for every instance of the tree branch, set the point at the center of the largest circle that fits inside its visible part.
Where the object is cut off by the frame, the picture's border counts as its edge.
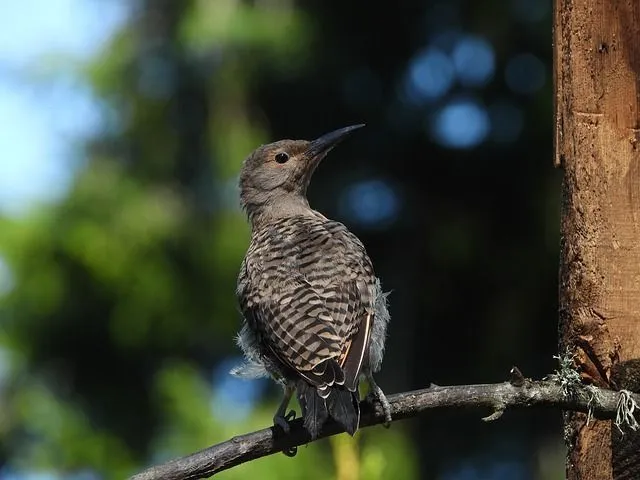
(498, 397)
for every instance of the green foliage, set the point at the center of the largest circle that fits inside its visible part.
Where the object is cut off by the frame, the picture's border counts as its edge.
(65, 440)
(281, 34)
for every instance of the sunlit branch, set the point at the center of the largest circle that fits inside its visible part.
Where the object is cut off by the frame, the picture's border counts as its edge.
(497, 398)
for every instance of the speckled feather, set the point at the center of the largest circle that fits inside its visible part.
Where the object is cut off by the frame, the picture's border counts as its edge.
(306, 286)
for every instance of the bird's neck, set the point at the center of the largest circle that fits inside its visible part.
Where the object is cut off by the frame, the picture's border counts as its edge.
(277, 208)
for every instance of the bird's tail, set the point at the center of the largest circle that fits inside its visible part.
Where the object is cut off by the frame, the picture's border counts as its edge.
(341, 404)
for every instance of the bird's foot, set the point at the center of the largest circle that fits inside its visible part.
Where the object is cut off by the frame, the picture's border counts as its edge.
(291, 451)
(282, 421)
(376, 393)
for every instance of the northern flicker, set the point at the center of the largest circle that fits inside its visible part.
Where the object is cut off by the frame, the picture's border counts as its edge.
(315, 317)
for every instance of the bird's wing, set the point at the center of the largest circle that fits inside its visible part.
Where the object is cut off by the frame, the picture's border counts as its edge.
(352, 305)
(300, 333)
(311, 302)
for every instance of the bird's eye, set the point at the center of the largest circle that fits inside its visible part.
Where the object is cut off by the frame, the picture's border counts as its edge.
(282, 157)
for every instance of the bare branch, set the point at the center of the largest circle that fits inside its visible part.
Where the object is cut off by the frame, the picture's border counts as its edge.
(498, 397)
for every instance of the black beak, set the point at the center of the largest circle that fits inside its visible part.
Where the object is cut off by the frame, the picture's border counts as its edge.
(321, 146)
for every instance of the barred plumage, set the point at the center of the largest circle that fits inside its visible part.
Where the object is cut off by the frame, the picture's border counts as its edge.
(307, 291)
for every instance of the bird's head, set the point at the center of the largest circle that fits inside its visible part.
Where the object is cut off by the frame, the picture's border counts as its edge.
(277, 175)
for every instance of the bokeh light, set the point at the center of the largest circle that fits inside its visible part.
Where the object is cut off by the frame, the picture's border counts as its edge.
(431, 75)
(461, 123)
(474, 61)
(233, 397)
(372, 203)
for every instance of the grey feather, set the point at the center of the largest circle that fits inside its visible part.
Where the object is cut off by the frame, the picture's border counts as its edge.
(249, 371)
(379, 330)
(254, 365)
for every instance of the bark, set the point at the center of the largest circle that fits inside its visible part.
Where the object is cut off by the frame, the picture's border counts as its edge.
(561, 393)
(597, 96)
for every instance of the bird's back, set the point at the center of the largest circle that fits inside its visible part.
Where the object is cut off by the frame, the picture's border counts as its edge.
(307, 291)
(306, 284)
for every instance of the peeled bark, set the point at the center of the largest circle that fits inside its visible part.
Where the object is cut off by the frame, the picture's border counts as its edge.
(597, 95)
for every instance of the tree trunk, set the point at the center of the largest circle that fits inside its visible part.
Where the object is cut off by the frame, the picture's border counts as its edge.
(597, 96)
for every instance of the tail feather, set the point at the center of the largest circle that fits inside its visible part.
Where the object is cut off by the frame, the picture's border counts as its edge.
(344, 408)
(340, 404)
(314, 408)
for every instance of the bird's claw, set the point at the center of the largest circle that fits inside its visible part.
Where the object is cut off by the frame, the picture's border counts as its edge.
(377, 395)
(282, 421)
(291, 451)
(387, 416)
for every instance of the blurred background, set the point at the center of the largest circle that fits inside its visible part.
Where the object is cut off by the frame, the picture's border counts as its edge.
(124, 125)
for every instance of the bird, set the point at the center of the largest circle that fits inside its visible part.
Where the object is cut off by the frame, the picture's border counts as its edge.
(314, 313)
